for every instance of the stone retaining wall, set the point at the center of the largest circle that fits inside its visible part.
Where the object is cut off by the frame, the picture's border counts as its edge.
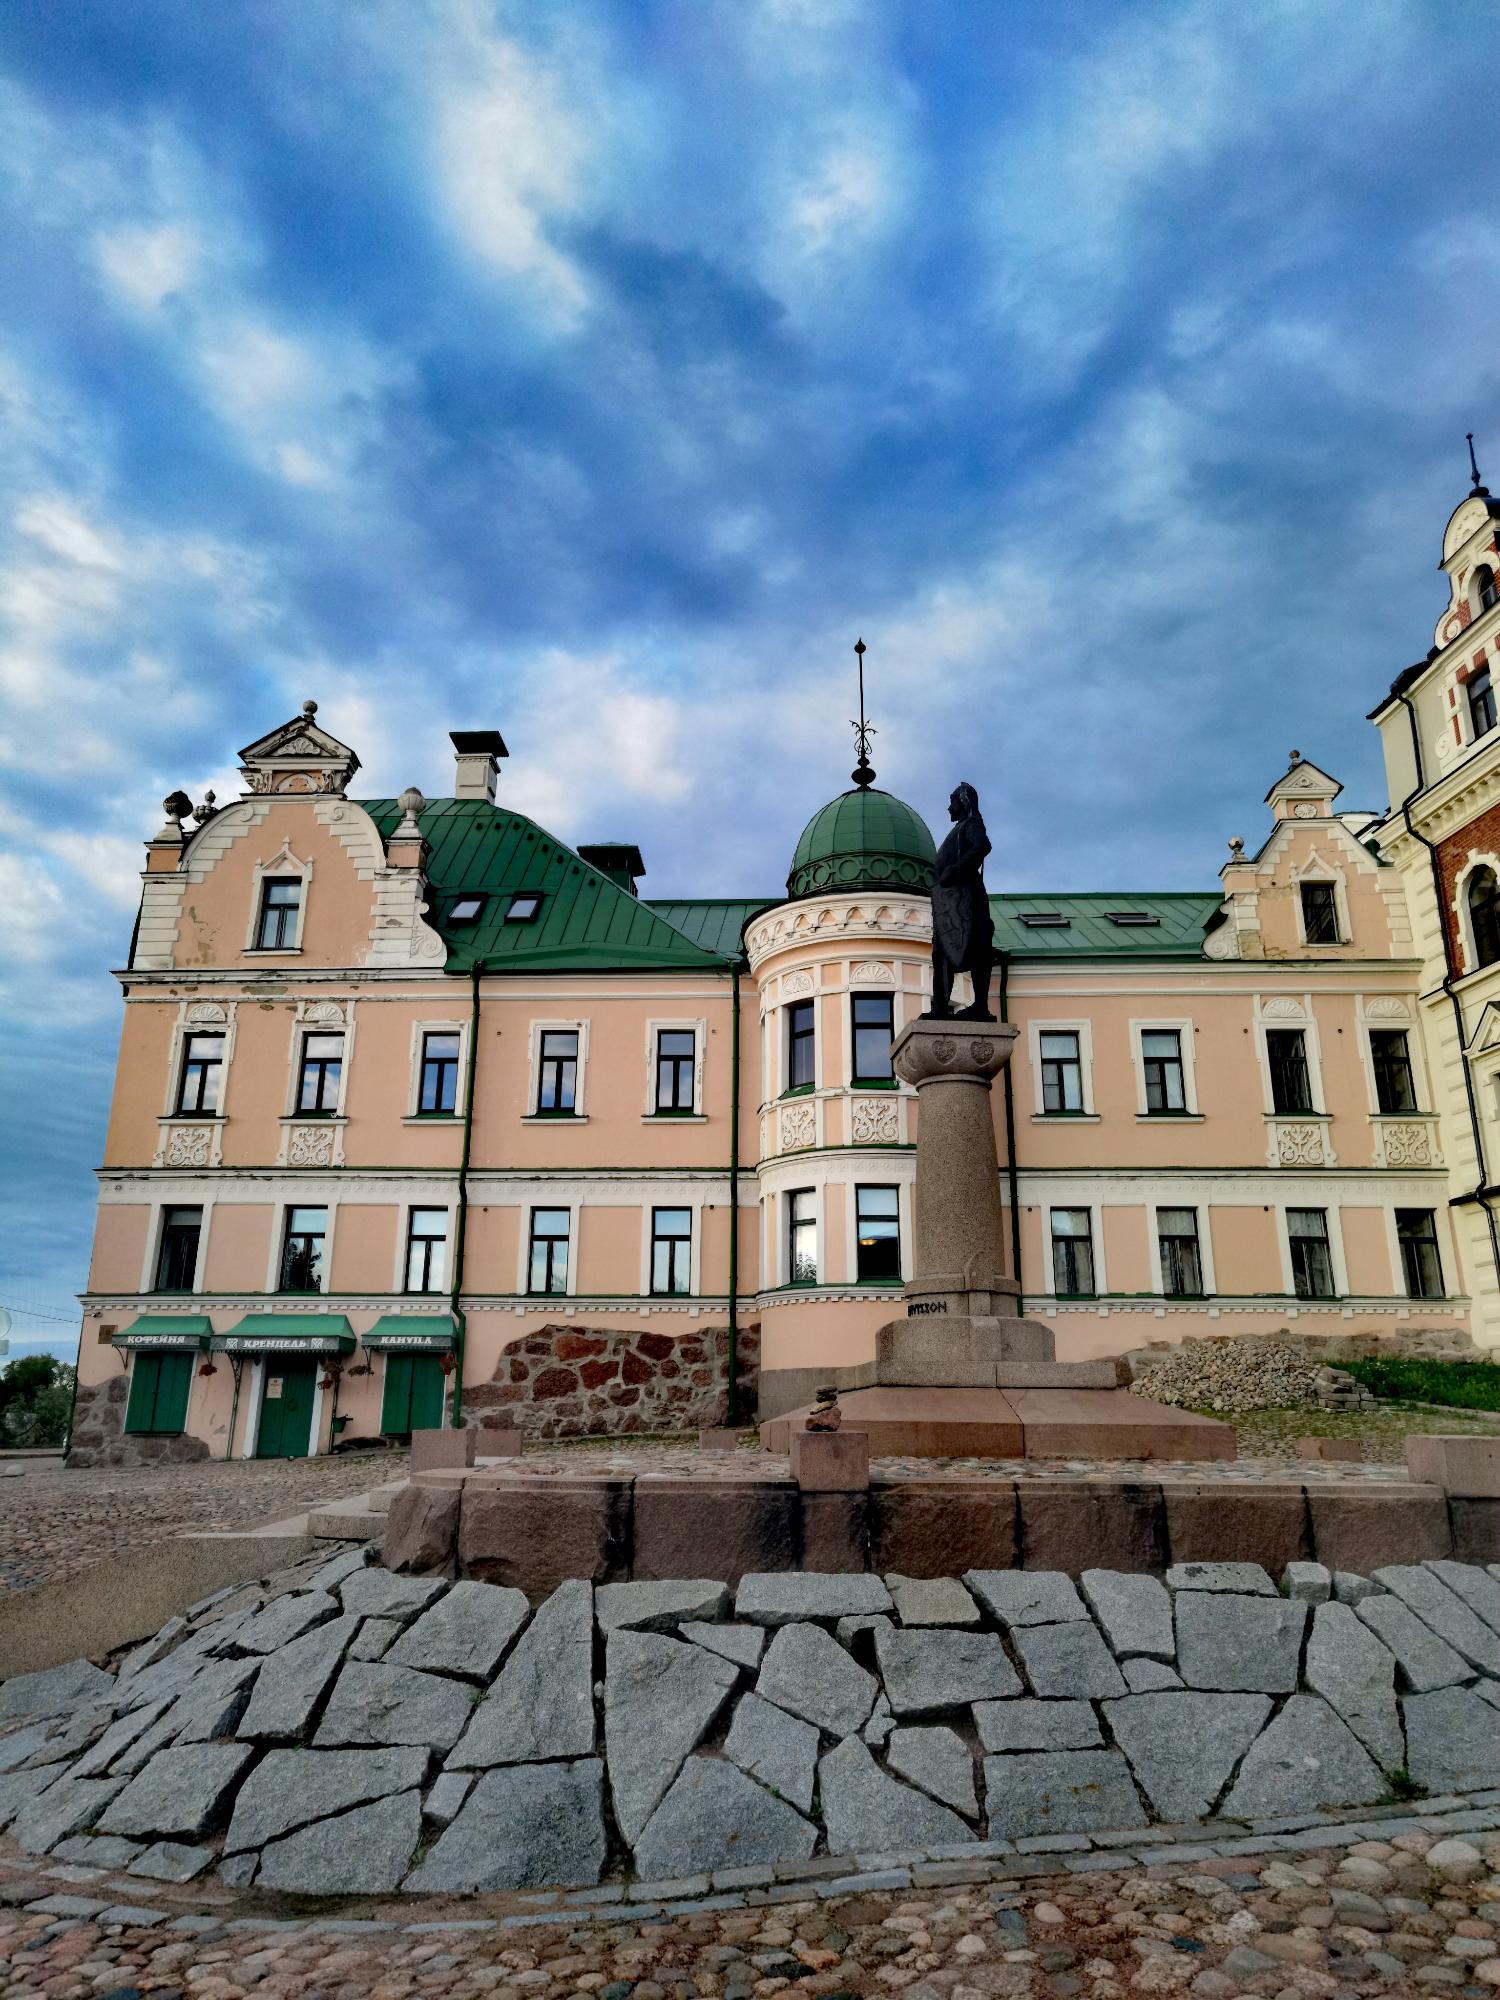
(100, 1438)
(579, 1381)
(531, 1531)
(348, 1731)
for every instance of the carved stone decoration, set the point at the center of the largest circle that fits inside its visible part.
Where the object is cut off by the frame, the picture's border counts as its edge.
(1407, 1145)
(799, 1127)
(795, 983)
(1304, 809)
(189, 1146)
(874, 1121)
(1283, 1009)
(207, 1011)
(1387, 1008)
(1299, 1145)
(871, 972)
(325, 1014)
(310, 1146)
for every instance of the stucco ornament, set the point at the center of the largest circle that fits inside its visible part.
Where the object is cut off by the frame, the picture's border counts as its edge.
(799, 1127)
(1407, 1145)
(1299, 1145)
(311, 1146)
(874, 1122)
(871, 972)
(189, 1146)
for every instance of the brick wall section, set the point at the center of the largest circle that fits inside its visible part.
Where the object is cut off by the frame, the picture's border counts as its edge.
(1482, 836)
(99, 1432)
(575, 1381)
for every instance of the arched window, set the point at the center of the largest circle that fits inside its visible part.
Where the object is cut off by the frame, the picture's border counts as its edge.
(1485, 592)
(1484, 916)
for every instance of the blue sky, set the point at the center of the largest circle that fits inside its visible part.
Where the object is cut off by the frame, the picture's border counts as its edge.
(599, 372)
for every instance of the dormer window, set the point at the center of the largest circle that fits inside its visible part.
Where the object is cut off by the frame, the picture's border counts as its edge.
(1320, 913)
(1481, 699)
(280, 908)
(523, 907)
(466, 909)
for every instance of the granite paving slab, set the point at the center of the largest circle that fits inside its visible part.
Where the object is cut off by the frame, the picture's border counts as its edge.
(542, 1705)
(793, 1597)
(659, 1607)
(373, 1703)
(1479, 1590)
(466, 1633)
(659, 1697)
(52, 1691)
(119, 1737)
(1149, 1676)
(360, 1853)
(865, 1809)
(930, 1600)
(1307, 1582)
(1424, 1660)
(807, 1672)
(19, 1788)
(379, 1593)
(1060, 1791)
(713, 1816)
(374, 1638)
(283, 1620)
(289, 1788)
(939, 1761)
(524, 1826)
(1183, 1748)
(64, 1807)
(1026, 1597)
(442, 1803)
(1239, 1579)
(778, 1749)
(1443, 1612)
(1304, 1760)
(1064, 1662)
(929, 1669)
(291, 1685)
(1037, 1725)
(29, 1741)
(1134, 1612)
(1356, 1675)
(183, 1793)
(1237, 1644)
(1452, 1739)
(743, 1644)
(173, 1861)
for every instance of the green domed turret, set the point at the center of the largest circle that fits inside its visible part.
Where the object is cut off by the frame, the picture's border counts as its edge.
(864, 839)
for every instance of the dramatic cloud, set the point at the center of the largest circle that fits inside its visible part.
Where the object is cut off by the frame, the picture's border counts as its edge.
(601, 372)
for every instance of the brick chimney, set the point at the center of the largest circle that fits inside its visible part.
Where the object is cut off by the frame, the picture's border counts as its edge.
(476, 759)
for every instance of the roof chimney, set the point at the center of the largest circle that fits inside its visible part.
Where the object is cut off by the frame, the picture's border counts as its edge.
(620, 860)
(477, 754)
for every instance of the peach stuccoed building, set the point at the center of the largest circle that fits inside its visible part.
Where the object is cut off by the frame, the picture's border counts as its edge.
(422, 1115)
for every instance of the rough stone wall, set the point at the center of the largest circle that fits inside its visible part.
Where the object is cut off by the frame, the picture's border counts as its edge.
(574, 1381)
(99, 1436)
(1421, 1343)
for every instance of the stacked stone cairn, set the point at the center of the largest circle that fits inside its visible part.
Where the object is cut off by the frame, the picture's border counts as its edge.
(344, 1730)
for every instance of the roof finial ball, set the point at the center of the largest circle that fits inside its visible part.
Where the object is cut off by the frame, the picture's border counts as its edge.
(309, 709)
(1294, 757)
(862, 774)
(412, 804)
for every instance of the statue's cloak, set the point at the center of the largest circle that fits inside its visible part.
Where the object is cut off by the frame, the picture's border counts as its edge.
(961, 920)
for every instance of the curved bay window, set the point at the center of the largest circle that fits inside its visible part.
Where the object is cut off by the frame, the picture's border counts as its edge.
(1484, 916)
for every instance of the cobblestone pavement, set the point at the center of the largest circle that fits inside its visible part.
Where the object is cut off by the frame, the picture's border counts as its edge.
(1328, 1916)
(54, 1523)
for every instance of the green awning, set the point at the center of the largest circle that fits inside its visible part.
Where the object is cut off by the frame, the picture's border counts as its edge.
(429, 1333)
(166, 1330)
(289, 1333)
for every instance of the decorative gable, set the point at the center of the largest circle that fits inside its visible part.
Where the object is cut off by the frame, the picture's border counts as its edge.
(1304, 792)
(299, 759)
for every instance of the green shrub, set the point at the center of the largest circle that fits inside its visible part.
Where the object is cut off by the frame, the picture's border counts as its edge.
(1461, 1385)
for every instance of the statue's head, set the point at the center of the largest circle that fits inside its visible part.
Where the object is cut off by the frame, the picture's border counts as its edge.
(964, 802)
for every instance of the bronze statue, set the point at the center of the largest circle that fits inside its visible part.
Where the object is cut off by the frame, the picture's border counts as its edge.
(963, 931)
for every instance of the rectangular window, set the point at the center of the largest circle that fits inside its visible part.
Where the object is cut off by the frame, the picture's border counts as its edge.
(322, 1069)
(302, 1250)
(671, 1249)
(280, 906)
(1181, 1263)
(1291, 1086)
(1072, 1253)
(1320, 913)
(427, 1250)
(676, 1056)
(1421, 1266)
(1312, 1263)
(799, 1045)
(202, 1074)
(1062, 1071)
(159, 1388)
(874, 1025)
(802, 1237)
(547, 1267)
(177, 1259)
(1390, 1058)
(557, 1072)
(1481, 702)
(438, 1087)
(1161, 1060)
(877, 1234)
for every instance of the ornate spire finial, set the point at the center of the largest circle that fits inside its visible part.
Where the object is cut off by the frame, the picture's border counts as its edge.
(1294, 757)
(1473, 462)
(862, 774)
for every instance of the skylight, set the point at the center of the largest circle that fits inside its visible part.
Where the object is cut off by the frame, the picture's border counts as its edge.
(466, 909)
(1133, 918)
(1039, 920)
(523, 907)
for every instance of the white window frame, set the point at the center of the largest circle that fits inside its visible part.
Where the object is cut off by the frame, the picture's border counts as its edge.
(655, 1028)
(1414, 1055)
(1205, 1248)
(283, 1206)
(184, 1026)
(303, 1026)
(1312, 1048)
(851, 1223)
(1314, 1197)
(283, 862)
(156, 1229)
(695, 1241)
(1186, 1041)
(1318, 870)
(1464, 926)
(1096, 1241)
(1084, 1029)
(403, 1233)
(419, 1032)
(540, 1199)
(782, 1263)
(534, 1033)
(784, 1043)
(1447, 1255)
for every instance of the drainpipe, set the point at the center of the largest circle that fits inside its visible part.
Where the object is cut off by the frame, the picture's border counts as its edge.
(1011, 1173)
(1481, 1190)
(732, 1394)
(460, 1227)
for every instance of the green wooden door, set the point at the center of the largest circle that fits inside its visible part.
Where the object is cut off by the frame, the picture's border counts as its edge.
(286, 1408)
(413, 1399)
(159, 1385)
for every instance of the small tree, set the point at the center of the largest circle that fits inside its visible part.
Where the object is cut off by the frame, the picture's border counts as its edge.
(36, 1396)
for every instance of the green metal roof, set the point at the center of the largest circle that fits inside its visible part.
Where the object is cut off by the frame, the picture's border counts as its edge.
(312, 1332)
(585, 922)
(1091, 932)
(166, 1330)
(430, 1331)
(863, 839)
(716, 922)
